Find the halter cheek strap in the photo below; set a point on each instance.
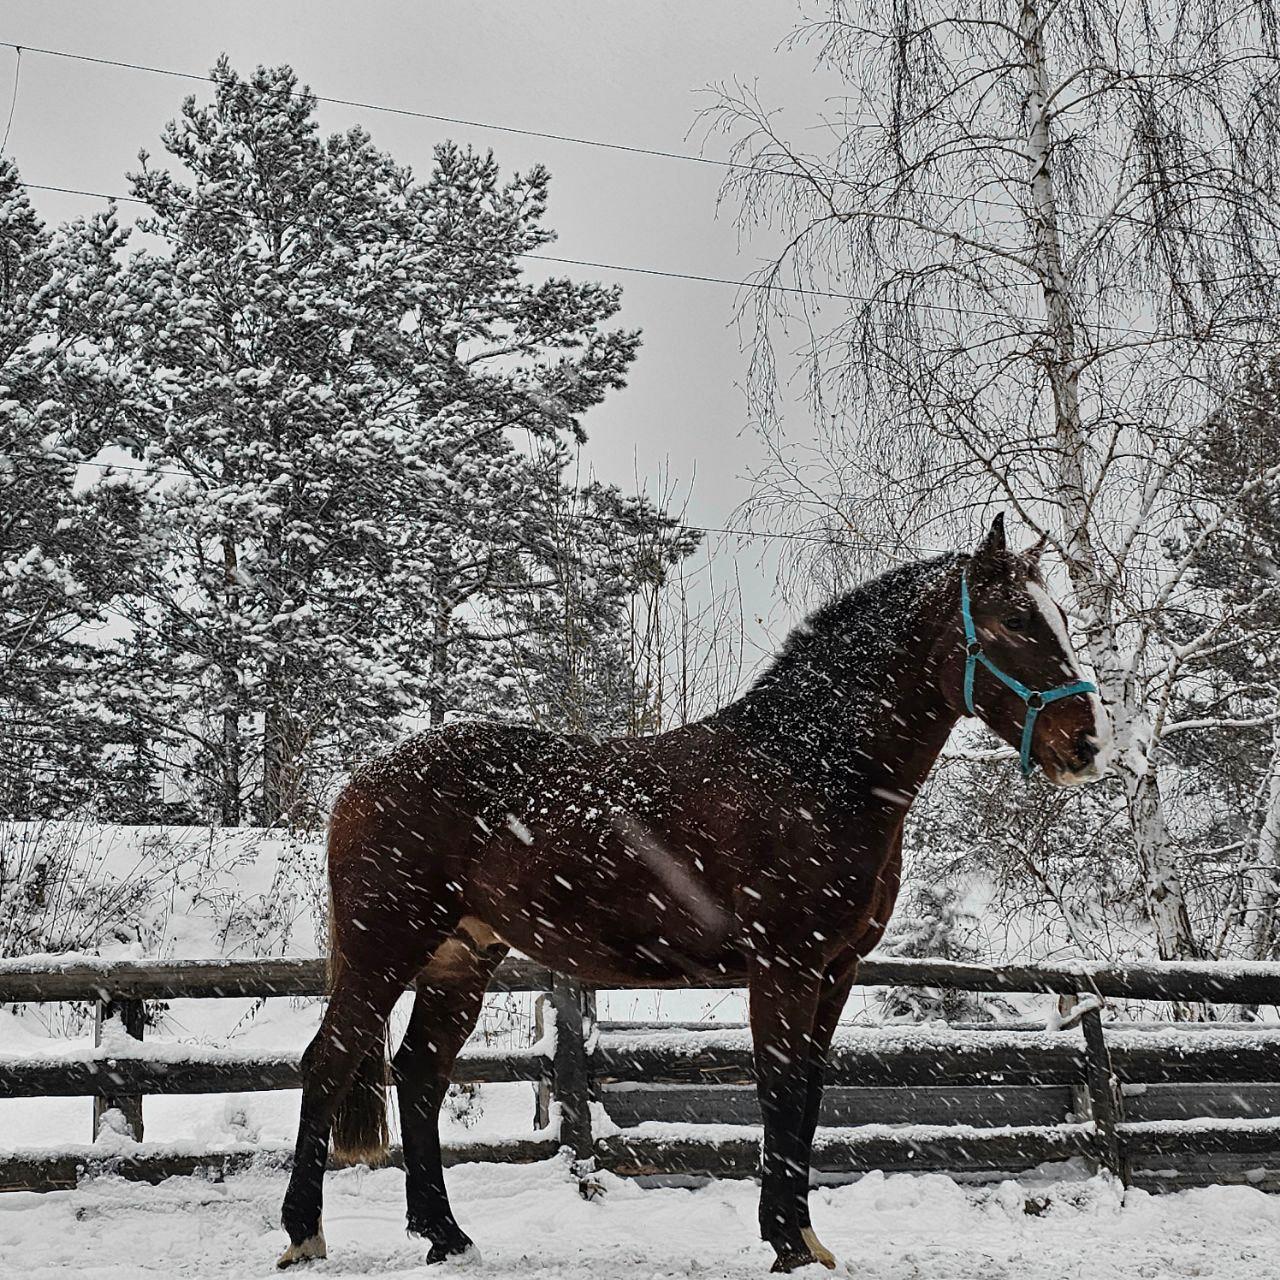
(1036, 699)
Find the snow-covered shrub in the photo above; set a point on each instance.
(62, 890)
(936, 922)
(155, 891)
(464, 1104)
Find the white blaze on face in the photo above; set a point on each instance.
(1053, 616)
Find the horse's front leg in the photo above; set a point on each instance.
(786, 990)
(837, 983)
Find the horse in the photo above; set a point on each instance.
(762, 844)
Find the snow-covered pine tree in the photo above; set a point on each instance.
(505, 371)
(58, 401)
(249, 326)
(575, 660)
(127, 780)
(355, 392)
(935, 922)
(1222, 724)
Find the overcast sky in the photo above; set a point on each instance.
(622, 72)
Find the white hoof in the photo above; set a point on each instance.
(310, 1248)
(817, 1248)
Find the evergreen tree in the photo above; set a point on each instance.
(576, 661)
(936, 924)
(357, 413)
(58, 402)
(1224, 720)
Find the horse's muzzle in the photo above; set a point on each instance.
(1090, 760)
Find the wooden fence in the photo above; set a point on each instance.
(1163, 1104)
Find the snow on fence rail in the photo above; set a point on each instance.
(1134, 1099)
(77, 977)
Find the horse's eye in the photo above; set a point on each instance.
(1018, 622)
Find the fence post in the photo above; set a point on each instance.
(131, 1016)
(542, 1090)
(570, 1073)
(1104, 1093)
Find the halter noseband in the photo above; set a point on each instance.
(1036, 700)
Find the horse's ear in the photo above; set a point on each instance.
(991, 563)
(994, 545)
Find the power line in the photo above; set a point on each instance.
(408, 112)
(748, 284)
(688, 157)
(80, 191)
(632, 270)
(628, 148)
(13, 101)
(1028, 323)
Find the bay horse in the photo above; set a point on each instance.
(762, 843)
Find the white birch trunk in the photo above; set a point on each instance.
(1166, 904)
(1264, 879)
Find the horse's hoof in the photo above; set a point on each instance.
(793, 1260)
(464, 1252)
(304, 1251)
(810, 1252)
(817, 1248)
(448, 1240)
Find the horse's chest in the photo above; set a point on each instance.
(839, 872)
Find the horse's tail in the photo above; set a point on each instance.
(360, 1123)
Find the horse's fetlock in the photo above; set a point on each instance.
(299, 1221)
(448, 1240)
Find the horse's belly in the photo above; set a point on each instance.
(644, 964)
(606, 945)
(610, 914)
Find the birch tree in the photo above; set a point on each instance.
(1051, 230)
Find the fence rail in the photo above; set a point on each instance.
(76, 979)
(23, 980)
(961, 1099)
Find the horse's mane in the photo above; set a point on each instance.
(844, 649)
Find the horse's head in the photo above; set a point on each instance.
(1017, 670)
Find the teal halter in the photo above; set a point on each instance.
(1036, 700)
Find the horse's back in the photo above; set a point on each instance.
(463, 748)
(541, 834)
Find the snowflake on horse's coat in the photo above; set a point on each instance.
(705, 852)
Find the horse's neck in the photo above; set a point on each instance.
(883, 727)
(897, 750)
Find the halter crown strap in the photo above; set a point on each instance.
(1036, 699)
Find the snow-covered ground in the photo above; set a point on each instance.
(530, 1222)
(202, 895)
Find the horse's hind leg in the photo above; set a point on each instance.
(450, 992)
(352, 1030)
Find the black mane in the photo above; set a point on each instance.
(829, 678)
(875, 618)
